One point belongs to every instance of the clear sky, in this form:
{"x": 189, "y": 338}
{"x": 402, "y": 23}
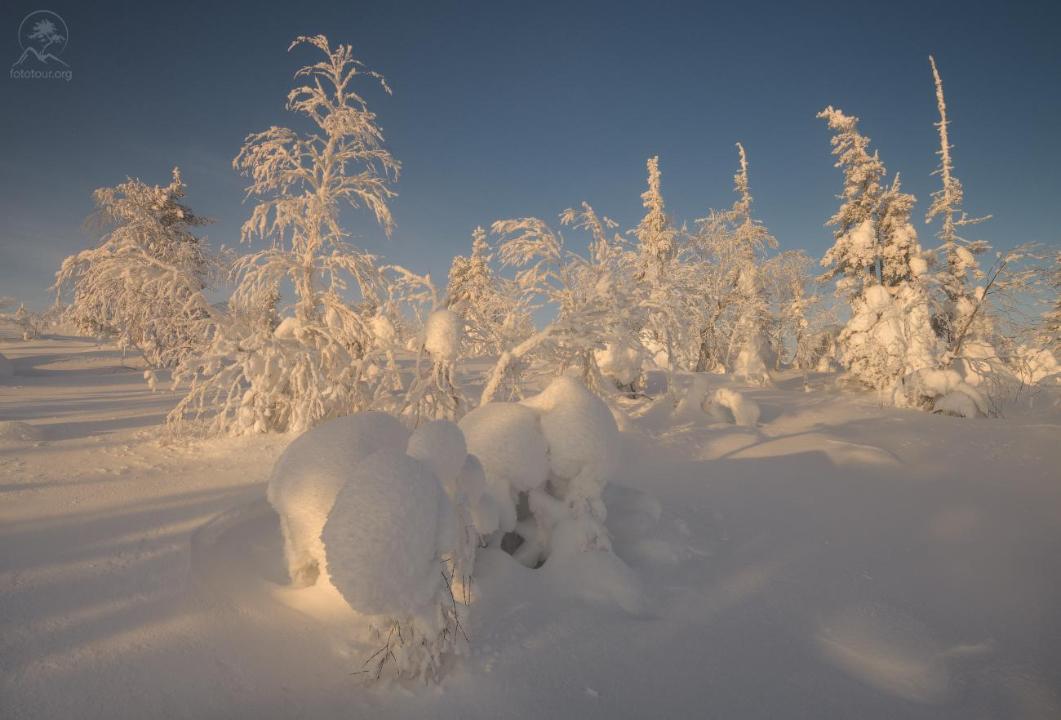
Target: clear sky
{"x": 505, "y": 109}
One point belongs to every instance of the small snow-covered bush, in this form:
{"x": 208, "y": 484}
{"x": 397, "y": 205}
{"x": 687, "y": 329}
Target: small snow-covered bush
{"x": 310, "y": 473}
{"x": 940, "y": 391}
{"x": 547, "y": 462}
{"x": 392, "y": 522}
{"x": 507, "y": 439}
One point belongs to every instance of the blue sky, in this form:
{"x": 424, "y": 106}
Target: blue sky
{"x": 505, "y": 109}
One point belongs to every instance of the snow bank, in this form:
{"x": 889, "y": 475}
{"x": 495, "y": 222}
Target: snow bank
{"x": 310, "y": 473}
{"x": 381, "y": 535}
{"x": 13, "y": 430}
{"x": 442, "y": 335}
{"x": 507, "y": 439}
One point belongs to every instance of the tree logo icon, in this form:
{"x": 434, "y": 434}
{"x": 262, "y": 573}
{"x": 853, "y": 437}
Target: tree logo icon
{"x": 43, "y": 35}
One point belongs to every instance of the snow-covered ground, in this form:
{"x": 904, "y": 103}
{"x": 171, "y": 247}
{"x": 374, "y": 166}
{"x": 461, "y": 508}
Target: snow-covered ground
{"x": 838, "y": 559}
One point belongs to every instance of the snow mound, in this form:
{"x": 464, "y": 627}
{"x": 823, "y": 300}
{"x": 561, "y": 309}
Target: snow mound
{"x": 20, "y": 431}
{"x": 578, "y": 427}
{"x": 310, "y": 473}
{"x": 507, "y": 439}
{"x": 594, "y": 574}
{"x": 440, "y": 445}
{"x": 7, "y": 368}
{"x": 381, "y": 536}
{"x": 442, "y": 335}
{"x": 744, "y": 411}
{"x": 942, "y": 391}
{"x": 956, "y": 404}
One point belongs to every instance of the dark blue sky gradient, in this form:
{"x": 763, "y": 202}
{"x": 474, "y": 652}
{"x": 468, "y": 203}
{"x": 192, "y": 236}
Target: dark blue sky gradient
{"x": 512, "y": 109}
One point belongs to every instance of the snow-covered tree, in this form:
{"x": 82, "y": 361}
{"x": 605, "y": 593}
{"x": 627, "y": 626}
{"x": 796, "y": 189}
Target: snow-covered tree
{"x": 656, "y": 236}
{"x": 959, "y": 253}
{"x": 595, "y": 299}
{"x": 28, "y": 322}
{"x": 325, "y": 360}
{"x": 854, "y": 256}
{"x": 728, "y": 246}
{"x": 1051, "y": 329}
{"x": 433, "y": 392}
{"x": 659, "y": 274}
{"x": 142, "y": 285}
{"x": 792, "y": 297}
{"x": 495, "y": 318}
{"x": 901, "y": 257}
{"x": 880, "y": 265}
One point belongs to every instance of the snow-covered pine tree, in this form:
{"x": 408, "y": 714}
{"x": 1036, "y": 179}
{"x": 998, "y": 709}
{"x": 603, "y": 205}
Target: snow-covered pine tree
{"x": 325, "y": 361}
{"x": 142, "y": 285}
{"x": 494, "y": 316}
{"x": 750, "y": 237}
{"x": 855, "y": 255}
{"x": 879, "y": 262}
{"x": 470, "y": 278}
{"x": 901, "y": 258}
{"x": 656, "y": 269}
{"x": 959, "y": 253}
{"x": 656, "y": 236}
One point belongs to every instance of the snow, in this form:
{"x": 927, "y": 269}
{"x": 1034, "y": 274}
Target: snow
{"x": 507, "y": 439}
{"x": 442, "y": 335}
{"x": 13, "y": 430}
{"x": 578, "y": 428}
{"x": 440, "y": 445}
{"x": 287, "y": 329}
{"x": 309, "y": 475}
{"x": 620, "y": 361}
{"x": 743, "y": 411}
{"x": 841, "y": 559}
{"x": 943, "y": 391}
{"x": 381, "y": 535}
